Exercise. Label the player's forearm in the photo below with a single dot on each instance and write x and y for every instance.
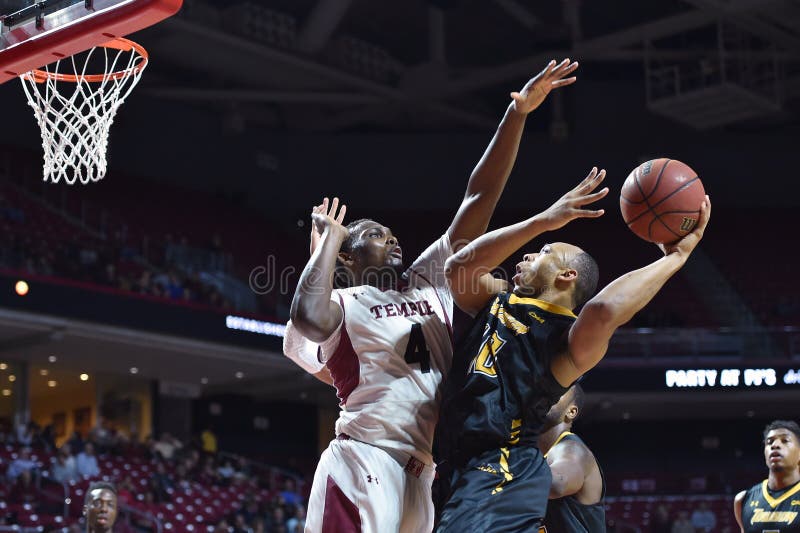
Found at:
(620, 300)
(310, 310)
(492, 171)
(488, 179)
(489, 250)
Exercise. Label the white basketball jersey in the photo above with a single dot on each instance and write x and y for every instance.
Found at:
(388, 360)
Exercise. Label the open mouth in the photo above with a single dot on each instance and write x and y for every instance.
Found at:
(397, 252)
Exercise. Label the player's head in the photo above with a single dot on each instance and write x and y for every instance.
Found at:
(369, 251)
(567, 408)
(100, 507)
(782, 445)
(558, 269)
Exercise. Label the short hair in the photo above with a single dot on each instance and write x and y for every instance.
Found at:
(347, 245)
(98, 485)
(588, 275)
(791, 425)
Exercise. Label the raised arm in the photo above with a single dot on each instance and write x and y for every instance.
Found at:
(568, 462)
(324, 209)
(313, 313)
(489, 177)
(618, 302)
(468, 270)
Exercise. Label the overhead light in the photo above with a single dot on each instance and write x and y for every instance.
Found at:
(239, 375)
(84, 377)
(6, 392)
(52, 358)
(21, 288)
(204, 381)
(12, 378)
(3, 366)
(43, 372)
(134, 370)
(51, 383)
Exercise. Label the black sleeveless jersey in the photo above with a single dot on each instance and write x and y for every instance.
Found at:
(500, 387)
(568, 515)
(767, 511)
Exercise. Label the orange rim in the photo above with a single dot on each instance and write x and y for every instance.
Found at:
(118, 43)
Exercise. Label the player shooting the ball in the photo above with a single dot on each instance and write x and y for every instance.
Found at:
(525, 349)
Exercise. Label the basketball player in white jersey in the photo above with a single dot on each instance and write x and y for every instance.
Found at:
(386, 341)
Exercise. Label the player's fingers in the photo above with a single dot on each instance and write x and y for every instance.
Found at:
(587, 181)
(592, 213)
(588, 199)
(342, 212)
(559, 69)
(334, 207)
(564, 82)
(517, 97)
(705, 215)
(545, 71)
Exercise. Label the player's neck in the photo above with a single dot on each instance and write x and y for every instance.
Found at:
(782, 479)
(556, 297)
(381, 278)
(549, 436)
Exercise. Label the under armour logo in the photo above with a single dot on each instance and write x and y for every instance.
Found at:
(371, 478)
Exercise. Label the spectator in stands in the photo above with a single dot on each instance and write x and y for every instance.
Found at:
(100, 435)
(167, 445)
(297, 523)
(24, 490)
(100, 507)
(682, 524)
(23, 463)
(289, 492)
(126, 491)
(222, 527)
(86, 462)
(48, 437)
(64, 468)
(240, 525)
(161, 483)
(277, 519)
(209, 440)
(226, 471)
(76, 442)
(662, 522)
(25, 434)
(703, 519)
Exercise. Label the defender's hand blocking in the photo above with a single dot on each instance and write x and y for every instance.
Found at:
(323, 209)
(536, 90)
(684, 246)
(570, 206)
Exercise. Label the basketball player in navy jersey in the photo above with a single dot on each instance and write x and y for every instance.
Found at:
(773, 506)
(577, 490)
(386, 341)
(525, 349)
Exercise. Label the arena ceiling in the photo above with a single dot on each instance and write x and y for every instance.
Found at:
(328, 65)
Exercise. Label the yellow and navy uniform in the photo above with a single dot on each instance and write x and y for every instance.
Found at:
(771, 511)
(494, 404)
(567, 514)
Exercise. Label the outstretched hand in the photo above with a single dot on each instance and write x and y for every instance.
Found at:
(536, 90)
(570, 206)
(688, 242)
(324, 209)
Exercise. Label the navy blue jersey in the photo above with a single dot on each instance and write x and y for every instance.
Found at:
(768, 511)
(568, 515)
(500, 387)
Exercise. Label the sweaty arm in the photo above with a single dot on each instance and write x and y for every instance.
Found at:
(617, 303)
(568, 464)
(313, 313)
(490, 175)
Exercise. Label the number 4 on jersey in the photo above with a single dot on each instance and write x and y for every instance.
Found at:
(417, 350)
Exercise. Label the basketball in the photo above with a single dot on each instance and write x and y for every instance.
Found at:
(660, 200)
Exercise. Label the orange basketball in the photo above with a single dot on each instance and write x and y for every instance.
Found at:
(660, 200)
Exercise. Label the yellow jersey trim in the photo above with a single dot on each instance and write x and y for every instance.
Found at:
(773, 502)
(559, 439)
(547, 306)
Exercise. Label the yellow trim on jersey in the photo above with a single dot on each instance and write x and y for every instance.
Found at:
(775, 501)
(547, 306)
(559, 439)
(507, 475)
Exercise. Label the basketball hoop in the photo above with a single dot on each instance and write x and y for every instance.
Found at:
(75, 124)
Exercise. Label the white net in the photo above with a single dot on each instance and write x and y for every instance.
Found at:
(75, 109)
